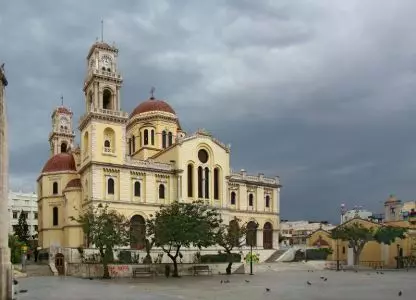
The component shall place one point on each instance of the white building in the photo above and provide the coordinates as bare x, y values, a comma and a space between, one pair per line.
25, 203
357, 212
296, 232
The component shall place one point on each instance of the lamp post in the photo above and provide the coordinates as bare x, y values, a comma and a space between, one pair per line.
343, 210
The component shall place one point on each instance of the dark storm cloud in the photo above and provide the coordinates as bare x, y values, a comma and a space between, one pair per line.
318, 92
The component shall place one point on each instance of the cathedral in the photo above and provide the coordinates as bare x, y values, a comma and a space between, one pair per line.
137, 161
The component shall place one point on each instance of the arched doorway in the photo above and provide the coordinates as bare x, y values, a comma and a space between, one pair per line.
268, 236
137, 232
234, 232
60, 263
64, 148
251, 237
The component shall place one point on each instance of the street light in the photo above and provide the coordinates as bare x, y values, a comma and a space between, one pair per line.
343, 212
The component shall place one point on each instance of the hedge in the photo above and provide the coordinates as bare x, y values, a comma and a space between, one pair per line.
220, 258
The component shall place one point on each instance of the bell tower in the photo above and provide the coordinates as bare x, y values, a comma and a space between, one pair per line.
103, 81
62, 135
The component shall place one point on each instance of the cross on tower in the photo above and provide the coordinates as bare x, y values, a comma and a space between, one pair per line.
62, 100
152, 91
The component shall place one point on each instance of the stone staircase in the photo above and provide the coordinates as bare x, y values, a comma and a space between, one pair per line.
275, 255
33, 270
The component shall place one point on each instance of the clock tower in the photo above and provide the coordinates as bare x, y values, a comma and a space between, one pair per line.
62, 135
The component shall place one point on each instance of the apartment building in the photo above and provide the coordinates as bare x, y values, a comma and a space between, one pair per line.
23, 203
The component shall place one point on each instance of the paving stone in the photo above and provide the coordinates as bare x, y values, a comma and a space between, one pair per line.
284, 285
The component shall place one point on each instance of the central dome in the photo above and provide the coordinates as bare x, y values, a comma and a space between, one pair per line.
60, 162
152, 104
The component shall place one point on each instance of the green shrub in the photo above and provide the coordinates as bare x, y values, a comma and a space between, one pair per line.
15, 249
220, 258
318, 254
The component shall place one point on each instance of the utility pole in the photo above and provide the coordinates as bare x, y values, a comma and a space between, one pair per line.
5, 264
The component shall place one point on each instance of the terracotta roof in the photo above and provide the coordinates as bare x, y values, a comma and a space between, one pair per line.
60, 162
152, 105
63, 110
74, 183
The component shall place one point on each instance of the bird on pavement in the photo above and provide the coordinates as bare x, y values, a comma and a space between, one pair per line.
308, 282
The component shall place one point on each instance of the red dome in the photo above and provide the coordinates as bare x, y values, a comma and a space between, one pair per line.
152, 105
74, 183
60, 162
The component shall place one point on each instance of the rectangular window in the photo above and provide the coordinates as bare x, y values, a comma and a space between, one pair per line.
15, 215
35, 215
55, 216
35, 227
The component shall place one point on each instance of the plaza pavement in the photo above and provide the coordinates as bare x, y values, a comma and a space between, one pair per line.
286, 285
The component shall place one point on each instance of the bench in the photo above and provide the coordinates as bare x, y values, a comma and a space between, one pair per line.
202, 269
143, 271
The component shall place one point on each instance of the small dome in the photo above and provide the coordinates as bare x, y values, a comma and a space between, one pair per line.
60, 162
152, 104
74, 183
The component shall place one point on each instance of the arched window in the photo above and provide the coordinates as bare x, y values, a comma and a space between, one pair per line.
234, 232
163, 139
109, 140
206, 183
55, 188
63, 147
55, 216
232, 198
170, 139
129, 142
190, 180
200, 182
146, 137
251, 236
250, 199
267, 201
161, 191
152, 137
137, 189
110, 186
268, 236
85, 143
133, 142
216, 183
107, 101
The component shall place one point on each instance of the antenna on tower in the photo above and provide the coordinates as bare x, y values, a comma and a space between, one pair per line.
102, 30
62, 100
152, 92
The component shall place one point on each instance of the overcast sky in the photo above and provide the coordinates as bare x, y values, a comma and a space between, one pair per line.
321, 93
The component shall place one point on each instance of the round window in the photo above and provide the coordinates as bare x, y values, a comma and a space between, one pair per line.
203, 156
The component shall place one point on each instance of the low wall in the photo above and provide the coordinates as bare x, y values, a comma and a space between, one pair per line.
123, 271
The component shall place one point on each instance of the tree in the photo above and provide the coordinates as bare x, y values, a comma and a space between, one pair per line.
182, 225
106, 229
358, 236
15, 249
22, 229
231, 236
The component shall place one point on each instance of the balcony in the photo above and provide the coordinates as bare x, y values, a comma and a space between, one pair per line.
103, 73
105, 113
242, 176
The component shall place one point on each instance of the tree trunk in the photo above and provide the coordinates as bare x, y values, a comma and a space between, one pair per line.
175, 268
230, 262
106, 272
357, 258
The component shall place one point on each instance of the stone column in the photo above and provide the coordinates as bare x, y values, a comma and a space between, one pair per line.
5, 265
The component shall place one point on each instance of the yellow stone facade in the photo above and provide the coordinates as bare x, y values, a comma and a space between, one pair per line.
139, 161
373, 253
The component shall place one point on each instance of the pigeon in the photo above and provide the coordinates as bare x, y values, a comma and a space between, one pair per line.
226, 281
247, 281
308, 282
221, 282
322, 277
381, 273
400, 293
325, 279
23, 291
377, 272
15, 282
267, 290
